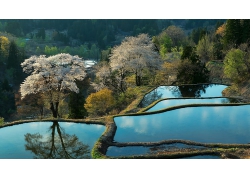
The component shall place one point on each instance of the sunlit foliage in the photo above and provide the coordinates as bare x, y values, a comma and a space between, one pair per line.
100, 103
237, 65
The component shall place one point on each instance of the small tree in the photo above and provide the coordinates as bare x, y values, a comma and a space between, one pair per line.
100, 103
237, 65
1, 121
52, 76
205, 48
77, 100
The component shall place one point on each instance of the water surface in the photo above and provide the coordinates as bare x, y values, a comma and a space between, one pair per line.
192, 91
42, 143
176, 102
214, 124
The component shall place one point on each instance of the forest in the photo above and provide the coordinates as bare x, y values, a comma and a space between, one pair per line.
131, 56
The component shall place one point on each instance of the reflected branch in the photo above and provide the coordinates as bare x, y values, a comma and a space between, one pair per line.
57, 146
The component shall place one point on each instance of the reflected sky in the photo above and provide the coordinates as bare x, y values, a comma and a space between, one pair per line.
221, 124
176, 102
212, 90
12, 142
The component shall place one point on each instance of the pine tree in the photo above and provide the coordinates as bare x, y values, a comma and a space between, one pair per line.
233, 32
246, 30
76, 106
13, 59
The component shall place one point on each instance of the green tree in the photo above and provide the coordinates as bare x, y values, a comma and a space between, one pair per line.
77, 101
13, 58
41, 33
245, 30
7, 103
76, 106
51, 50
191, 70
205, 48
197, 34
163, 43
100, 103
4, 47
189, 53
237, 65
1, 121
105, 54
233, 33
176, 35
13, 27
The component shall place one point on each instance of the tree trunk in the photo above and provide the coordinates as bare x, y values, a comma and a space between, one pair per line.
67, 155
52, 149
122, 85
41, 112
138, 80
54, 109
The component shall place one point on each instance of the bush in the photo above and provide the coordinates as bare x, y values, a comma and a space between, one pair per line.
1, 120
100, 103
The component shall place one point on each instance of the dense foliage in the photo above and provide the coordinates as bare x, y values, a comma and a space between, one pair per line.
191, 70
100, 103
129, 53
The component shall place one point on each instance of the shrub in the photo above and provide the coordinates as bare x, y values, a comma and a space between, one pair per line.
1, 120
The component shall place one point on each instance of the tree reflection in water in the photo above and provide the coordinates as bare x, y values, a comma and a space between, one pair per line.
190, 90
60, 146
150, 98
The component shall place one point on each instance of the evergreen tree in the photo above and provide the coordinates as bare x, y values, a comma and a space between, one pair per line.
41, 33
190, 70
246, 30
7, 100
5, 85
77, 101
13, 58
76, 106
189, 53
233, 32
13, 27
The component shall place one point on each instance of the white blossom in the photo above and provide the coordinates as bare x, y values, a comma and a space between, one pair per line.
56, 73
135, 54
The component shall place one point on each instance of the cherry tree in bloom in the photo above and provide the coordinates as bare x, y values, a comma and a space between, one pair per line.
119, 63
106, 78
135, 54
52, 76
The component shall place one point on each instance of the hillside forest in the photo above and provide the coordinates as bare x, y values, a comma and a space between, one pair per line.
39, 79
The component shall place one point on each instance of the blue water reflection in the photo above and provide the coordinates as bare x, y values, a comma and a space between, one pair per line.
176, 102
198, 90
12, 143
215, 124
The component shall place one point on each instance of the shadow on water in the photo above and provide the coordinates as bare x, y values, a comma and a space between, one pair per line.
151, 97
190, 90
57, 145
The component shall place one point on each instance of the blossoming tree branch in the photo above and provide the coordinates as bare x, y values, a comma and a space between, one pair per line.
52, 76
